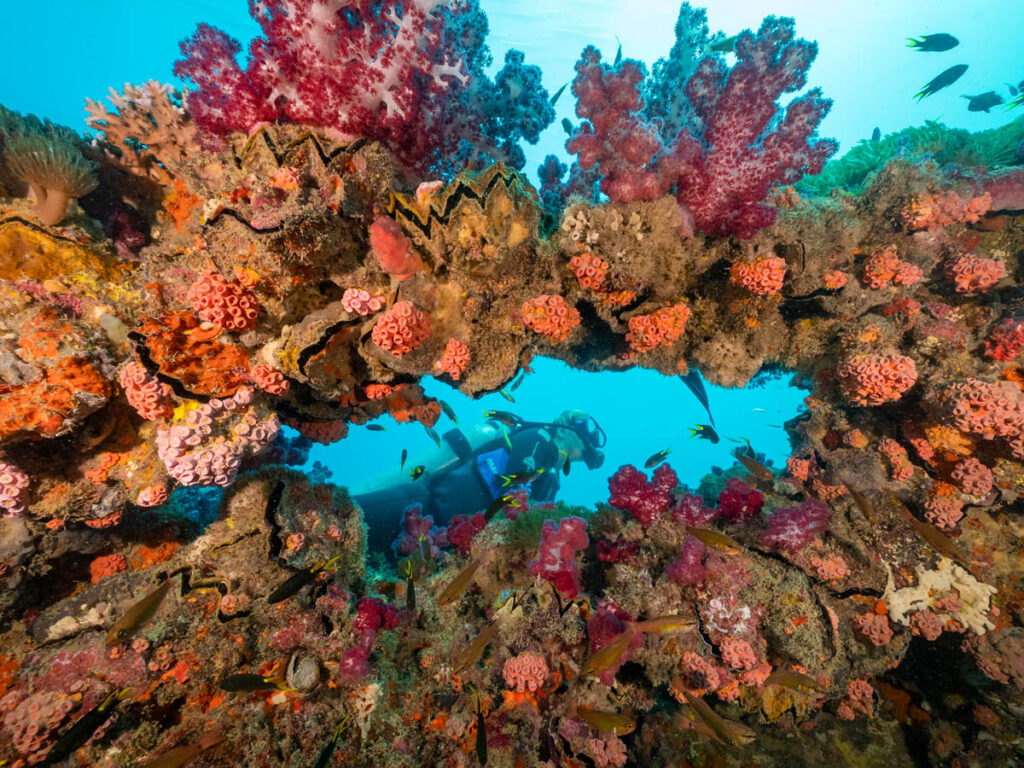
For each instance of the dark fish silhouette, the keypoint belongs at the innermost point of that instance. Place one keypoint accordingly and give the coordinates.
(557, 94)
(375, 428)
(618, 53)
(567, 125)
(656, 459)
(933, 43)
(1013, 89)
(983, 102)
(944, 80)
(704, 432)
(405, 455)
(693, 380)
(876, 134)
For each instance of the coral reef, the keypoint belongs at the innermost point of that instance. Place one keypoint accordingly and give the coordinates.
(298, 241)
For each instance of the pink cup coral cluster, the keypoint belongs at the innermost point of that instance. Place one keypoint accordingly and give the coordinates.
(589, 270)
(986, 409)
(660, 328)
(270, 380)
(884, 266)
(227, 304)
(943, 509)
(525, 672)
(973, 477)
(874, 627)
(762, 276)
(402, 329)
(13, 489)
(940, 210)
(970, 272)
(455, 359)
(32, 720)
(209, 447)
(357, 301)
(550, 316)
(869, 379)
(149, 397)
(835, 279)
(900, 468)
(152, 496)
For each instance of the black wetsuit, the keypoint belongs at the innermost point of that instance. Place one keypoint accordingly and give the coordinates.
(468, 487)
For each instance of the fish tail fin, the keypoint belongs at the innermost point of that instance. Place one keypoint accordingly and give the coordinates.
(913, 42)
(693, 432)
(211, 739)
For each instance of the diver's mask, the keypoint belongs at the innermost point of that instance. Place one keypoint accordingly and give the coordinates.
(593, 438)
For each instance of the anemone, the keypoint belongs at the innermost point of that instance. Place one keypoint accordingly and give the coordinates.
(53, 168)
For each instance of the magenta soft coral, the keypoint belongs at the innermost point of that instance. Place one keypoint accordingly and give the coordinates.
(737, 146)
(645, 501)
(614, 136)
(363, 69)
(557, 562)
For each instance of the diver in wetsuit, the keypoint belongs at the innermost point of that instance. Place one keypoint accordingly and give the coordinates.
(466, 472)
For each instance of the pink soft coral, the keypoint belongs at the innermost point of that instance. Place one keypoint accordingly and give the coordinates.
(735, 149)
(557, 562)
(361, 68)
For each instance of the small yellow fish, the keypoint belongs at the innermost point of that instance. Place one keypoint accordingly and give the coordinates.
(729, 731)
(457, 586)
(790, 678)
(666, 625)
(606, 722)
(608, 656)
(138, 614)
(475, 650)
(723, 542)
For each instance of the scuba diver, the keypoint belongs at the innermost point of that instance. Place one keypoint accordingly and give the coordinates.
(471, 468)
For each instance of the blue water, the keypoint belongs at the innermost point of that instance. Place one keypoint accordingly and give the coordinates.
(640, 410)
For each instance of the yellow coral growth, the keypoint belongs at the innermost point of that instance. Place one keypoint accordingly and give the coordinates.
(946, 439)
(30, 253)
